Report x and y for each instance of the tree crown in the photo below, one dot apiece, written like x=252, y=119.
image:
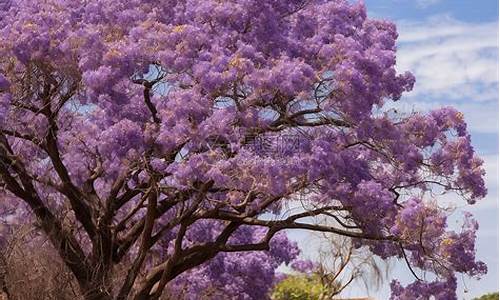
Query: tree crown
x=175, y=133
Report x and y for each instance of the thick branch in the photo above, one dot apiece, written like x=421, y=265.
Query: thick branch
x=65, y=243
x=76, y=198
x=148, y=85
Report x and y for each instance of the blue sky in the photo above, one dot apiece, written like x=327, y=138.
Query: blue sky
x=451, y=46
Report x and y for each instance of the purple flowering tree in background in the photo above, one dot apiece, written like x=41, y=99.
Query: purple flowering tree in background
x=131, y=132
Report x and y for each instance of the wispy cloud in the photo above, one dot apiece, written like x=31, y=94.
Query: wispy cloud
x=427, y=3
x=455, y=63
x=452, y=60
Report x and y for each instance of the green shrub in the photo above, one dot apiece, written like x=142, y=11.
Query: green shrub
x=302, y=287
x=490, y=296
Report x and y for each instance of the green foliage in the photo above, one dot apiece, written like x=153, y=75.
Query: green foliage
x=302, y=287
x=490, y=296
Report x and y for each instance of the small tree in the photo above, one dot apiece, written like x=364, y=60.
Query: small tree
x=169, y=136
x=338, y=265
x=303, y=287
x=490, y=296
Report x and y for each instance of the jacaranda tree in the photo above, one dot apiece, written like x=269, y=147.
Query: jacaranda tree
x=173, y=136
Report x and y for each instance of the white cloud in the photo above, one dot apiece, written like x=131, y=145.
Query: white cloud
x=427, y=3
x=455, y=63
x=451, y=60
x=491, y=168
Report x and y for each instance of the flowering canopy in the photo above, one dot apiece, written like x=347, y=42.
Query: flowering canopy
x=145, y=131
